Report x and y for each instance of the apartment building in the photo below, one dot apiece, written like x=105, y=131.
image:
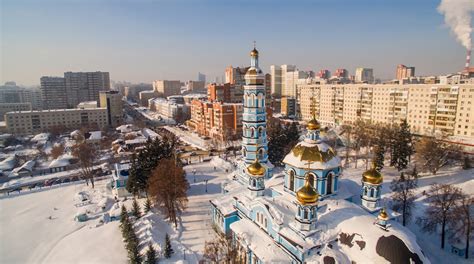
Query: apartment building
x=13, y=107
x=404, y=72
x=85, y=86
x=364, y=75
x=428, y=108
x=173, y=107
x=30, y=122
x=53, y=93
x=167, y=88
x=73, y=88
x=112, y=101
x=216, y=119
x=288, y=106
x=278, y=79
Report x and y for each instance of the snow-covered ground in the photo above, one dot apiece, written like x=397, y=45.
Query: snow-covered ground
x=430, y=243
x=40, y=228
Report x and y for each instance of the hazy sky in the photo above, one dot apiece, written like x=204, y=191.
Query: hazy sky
x=144, y=40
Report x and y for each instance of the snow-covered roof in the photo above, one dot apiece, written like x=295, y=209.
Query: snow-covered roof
x=126, y=128
x=138, y=140
x=298, y=158
x=148, y=133
x=95, y=135
x=61, y=161
x=9, y=163
x=259, y=242
x=75, y=133
x=26, y=166
x=40, y=137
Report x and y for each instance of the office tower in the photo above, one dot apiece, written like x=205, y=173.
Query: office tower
x=404, y=72
x=53, y=93
x=85, y=86
x=364, y=75
x=201, y=77
x=167, y=88
x=112, y=101
x=292, y=78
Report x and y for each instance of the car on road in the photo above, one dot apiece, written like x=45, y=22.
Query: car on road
x=66, y=180
x=50, y=182
x=74, y=178
x=18, y=189
x=32, y=186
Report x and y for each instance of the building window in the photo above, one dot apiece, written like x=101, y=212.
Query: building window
x=292, y=180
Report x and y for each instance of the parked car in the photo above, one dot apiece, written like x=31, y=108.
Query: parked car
x=32, y=186
x=74, y=178
x=66, y=180
x=14, y=190
x=50, y=182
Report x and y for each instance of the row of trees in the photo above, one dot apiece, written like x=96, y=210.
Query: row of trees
x=157, y=173
x=398, y=143
x=281, y=139
x=448, y=207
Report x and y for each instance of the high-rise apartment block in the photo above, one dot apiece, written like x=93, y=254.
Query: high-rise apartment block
x=236, y=75
x=428, y=108
x=196, y=86
x=404, y=72
x=167, y=88
x=13, y=107
x=73, y=88
x=288, y=106
x=53, y=93
x=85, y=86
x=364, y=75
x=278, y=78
x=112, y=101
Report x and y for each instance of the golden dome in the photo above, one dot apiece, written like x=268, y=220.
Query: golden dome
x=307, y=194
x=312, y=153
x=372, y=176
x=313, y=124
x=383, y=215
x=254, y=52
x=256, y=168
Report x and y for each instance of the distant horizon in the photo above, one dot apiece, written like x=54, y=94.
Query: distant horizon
x=142, y=41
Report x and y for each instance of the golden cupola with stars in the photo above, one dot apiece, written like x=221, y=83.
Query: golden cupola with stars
x=372, y=176
x=256, y=169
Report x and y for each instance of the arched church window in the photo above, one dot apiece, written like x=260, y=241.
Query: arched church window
x=372, y=192
x=310, y=177
x=261, y=153
x=365, y=190
x=265, y=222
x=252, y=132
x=252, y=101
x=306, y=214
x=259, y=100
x=260, y=131
x=292, y=180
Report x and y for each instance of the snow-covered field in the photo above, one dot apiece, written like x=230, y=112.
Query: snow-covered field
x=40, y=228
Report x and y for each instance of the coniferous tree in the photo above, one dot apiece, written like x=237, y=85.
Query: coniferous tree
x=147, y=159
x=442, y=199
x=403, y=195
x=147, y=205
x=276, y=141
x=292, y=135
x=136, y=209
x=150, y=255
x=403, y=147
x=168, y=249
x=133, y=248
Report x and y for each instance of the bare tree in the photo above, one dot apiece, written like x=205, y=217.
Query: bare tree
x=57, y=150
x=167, y=187
x=347, y=134
x=403, y=195
x=442, y=200
x=86, y=154
x=432, y=154
x=464, y=224
x=222, y=249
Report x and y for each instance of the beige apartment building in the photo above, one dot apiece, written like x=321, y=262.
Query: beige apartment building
x=13, y=107
x=112, y=101
x=428, y=108
x=29, y=122
x=167, y=88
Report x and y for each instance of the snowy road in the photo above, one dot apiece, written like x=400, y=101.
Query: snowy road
x=196, y=220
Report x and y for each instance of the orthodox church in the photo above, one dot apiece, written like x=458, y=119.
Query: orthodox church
x=304, y=214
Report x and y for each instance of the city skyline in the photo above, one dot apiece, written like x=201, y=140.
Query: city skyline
x=148, y=40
